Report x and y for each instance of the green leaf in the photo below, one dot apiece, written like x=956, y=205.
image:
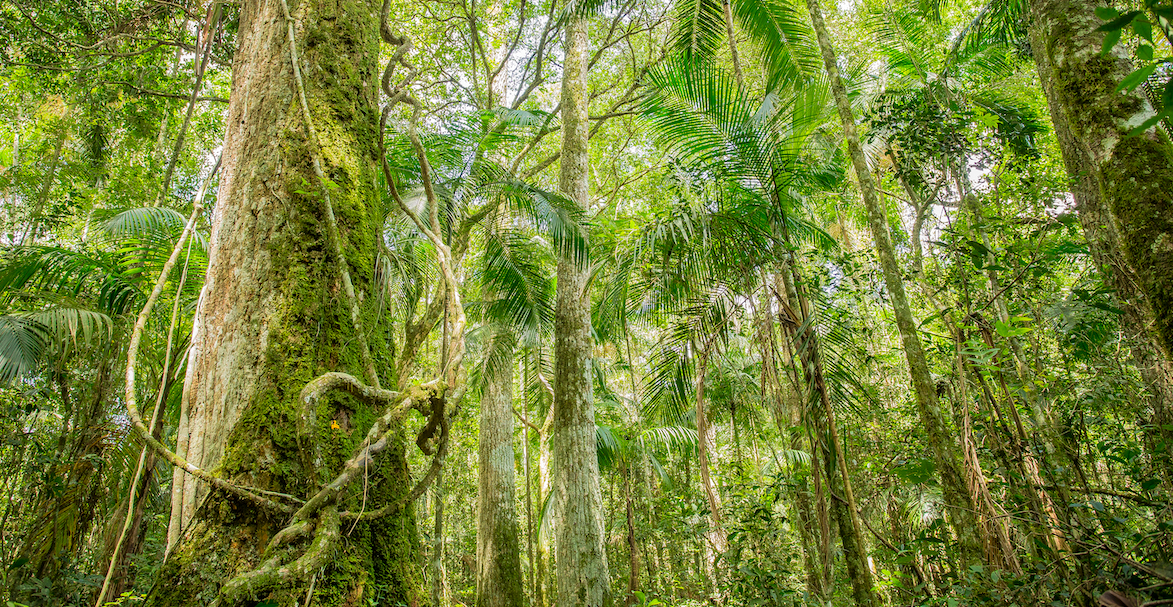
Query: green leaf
x=916, y=472
x=1110, y=41
x=1145, y=52
x=18, y=563
x=1134, y=79
x=1167, y=96
x=1107, y=13
x=1150, y=123
x=1118, y=23
x=1008, y=330
x=1150, y=484
x=1143, y=28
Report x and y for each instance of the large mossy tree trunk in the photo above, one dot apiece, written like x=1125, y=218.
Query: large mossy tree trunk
x=580, y=553
x=273, y=315
x=1156, y=369
x=941, y=442
x=1133, y=176
x=498, y=550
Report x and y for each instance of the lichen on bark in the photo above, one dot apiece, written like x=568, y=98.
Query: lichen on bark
x=1133, y=173
x=273, y=316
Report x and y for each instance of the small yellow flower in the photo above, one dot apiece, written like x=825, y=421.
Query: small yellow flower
x=334, y=425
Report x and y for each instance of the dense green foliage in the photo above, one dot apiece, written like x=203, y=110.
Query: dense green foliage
x=749, y=381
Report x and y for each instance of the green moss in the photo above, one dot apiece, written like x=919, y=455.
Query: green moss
x=1139, y=189
x=310, y=332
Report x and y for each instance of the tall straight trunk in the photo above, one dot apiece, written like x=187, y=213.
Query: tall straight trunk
x=942, y=445
x=632, y=553
x=786, y=409
x=580, y=551
x=439, y=574
x=271, y=317
x=706, y=444
x=544, y=574
x=498, y=549
x=825, y=438
x=1133, y=176
x=1156, y=369
x=529, y=499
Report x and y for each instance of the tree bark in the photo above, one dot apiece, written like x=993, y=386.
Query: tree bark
x=824, y=438
x=706, y=444
x=272, y=316
x=1133, y=176
x=1156, y=370
x=580, y=551
x=498, y=550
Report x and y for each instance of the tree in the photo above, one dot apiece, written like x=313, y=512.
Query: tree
x=941, y=441
x=1084, y=103
x=293, y=241
x=579, y=551
x=1132, y=171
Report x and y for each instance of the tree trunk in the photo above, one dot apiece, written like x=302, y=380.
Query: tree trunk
x=632, y=553
x=1156, y=370
x=498, y=551
x=942, y=445
x=786, y=409
x=825, y=439
x=1133, y=176
x=578, y=514
x=706, y=444
x=439, y=574
x=272, y=316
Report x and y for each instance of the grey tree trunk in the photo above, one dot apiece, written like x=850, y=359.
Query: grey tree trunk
x=1132, y=175
x=706, y=446
x=1156, y=370
x=580, y=553
x=941, y=442
x=498, y=550
x=271, y=316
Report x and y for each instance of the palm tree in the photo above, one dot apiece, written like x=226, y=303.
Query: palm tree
x=758, y=156
x=941, y=441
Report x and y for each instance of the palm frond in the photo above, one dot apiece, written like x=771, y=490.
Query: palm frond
x=149, y=224
x=514, y=272
x=785, y=41
x=700, y=28
x=68, y=272
x=23, y=343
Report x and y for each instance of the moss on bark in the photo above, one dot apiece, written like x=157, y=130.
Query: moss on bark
x=273, y=280
x=1134, y=174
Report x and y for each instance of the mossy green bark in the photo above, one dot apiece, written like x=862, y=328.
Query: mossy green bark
x=1133, y=174
x=1156, y=370
x=272, y=279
